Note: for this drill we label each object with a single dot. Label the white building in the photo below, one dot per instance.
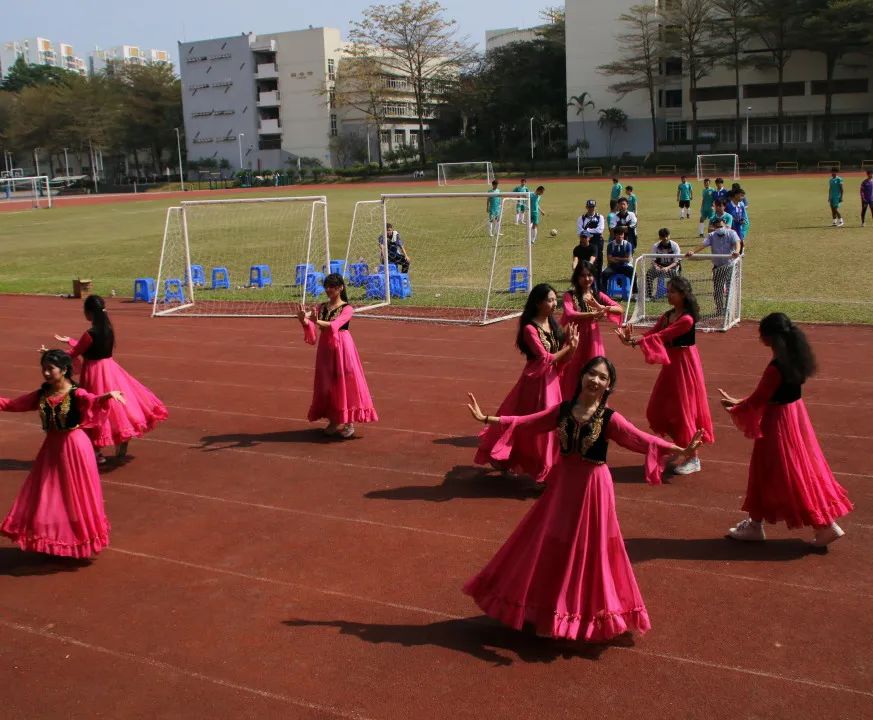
(505, 36)
(128, 54)
(593, 36)
(40, 51)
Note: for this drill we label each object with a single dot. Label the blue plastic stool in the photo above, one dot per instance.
(259, 276)
(220, 278)
(338, 266)
(173, 291)
(358, 274)
(518, 279)
(662, 288)
(301, 271)
(619, 286)
(400, 285)
(375, 287)
(144, 289)
(315, 284)
(198, 277)
(392, 269)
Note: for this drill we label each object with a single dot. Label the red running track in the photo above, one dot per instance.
(258, 570)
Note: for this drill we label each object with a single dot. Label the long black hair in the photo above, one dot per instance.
(583, 266)
(791, 349)
(336, 280)
(610, 369)
(531, 310)
(689, 302)
(102, 331)
(60, 360)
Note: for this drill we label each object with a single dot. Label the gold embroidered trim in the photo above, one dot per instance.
(547, 339)
(328, 315)
(579, 303)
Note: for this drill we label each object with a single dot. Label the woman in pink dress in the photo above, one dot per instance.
(340, 394)
(584, 307)
(678, 406)
(542, 342)
(564, 570)
(789, 478)
(59, 509)
(100, 372)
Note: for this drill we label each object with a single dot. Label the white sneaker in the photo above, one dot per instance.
(834, 223)
(841, 223)
(348, 431)
(688, 467)
(826, 535)
(748, 530)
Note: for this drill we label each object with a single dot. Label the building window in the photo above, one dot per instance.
(676, 131)
(333, 127)
(841, 126)
(767, 133)
(400, 137)
(725, 132)
(673, 66)
(767, 90)
(331, 69)
(672, 98)
(718, 92)
(332, 97)
(852, 85)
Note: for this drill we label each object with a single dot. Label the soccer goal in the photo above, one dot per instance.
(459, 171)
(726, 165)
(718, 289)
(242, 258)
(35, 188)
(457, 273)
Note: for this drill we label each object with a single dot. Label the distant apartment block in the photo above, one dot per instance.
(40, 51)
(128, 54)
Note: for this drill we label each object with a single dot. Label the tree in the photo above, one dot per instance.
(413, 39)
(613, 119)
(836, 28)
(362, 85)
(580, 102)
(349, 148)
(638, 58)
(729, 44)
(687, 36)
(22, 75)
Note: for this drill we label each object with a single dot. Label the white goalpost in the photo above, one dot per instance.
(458, 171)
(35, 188)
(457, 272)
(718, 289)
(243, 258)
(726, 165)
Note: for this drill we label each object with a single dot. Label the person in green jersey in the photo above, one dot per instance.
(706, 199)
(492, 205)
(720, 213)
(615, 194)
(631, 199)
(835, 197)
(520, 207)
(535, 212)
(684, 195)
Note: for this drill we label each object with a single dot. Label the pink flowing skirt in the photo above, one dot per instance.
(789, 478)
(678, 406)
(59, 509)
(123, 422)
(565, 569)
(340, 391)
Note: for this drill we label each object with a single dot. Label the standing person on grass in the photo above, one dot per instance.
(340, 391)
(866, 197)
(684, 196)
(835, 197)
(789, 478)
(632, 199)
(547, 348)
(520, 206)
(707, 197)
(564, 572)
(535, 212)
(678, 407)
(721, 241)
(614, 193)
(492, 207)
(142, 411)
(584, 307)
(59, 509)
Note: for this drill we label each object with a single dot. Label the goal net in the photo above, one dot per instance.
(458, 270)
(718, 289)
(460, 171)
(242, 258)
(35, 188)
(726, 166)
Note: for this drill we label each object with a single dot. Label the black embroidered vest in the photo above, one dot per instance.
(787, 392)
(548, 339)
(63, 416)
(330, 315)
(589, 438)
(686, 339)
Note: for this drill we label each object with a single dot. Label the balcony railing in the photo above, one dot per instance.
(263, 45)
(270, 127)
(267, 71)
(268, 99)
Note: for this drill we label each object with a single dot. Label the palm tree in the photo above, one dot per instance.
(581, 102)
(613, 119)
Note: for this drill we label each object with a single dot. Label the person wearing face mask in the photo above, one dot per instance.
(722, 241)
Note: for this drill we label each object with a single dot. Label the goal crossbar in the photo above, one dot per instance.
(39, 185)
(709, 163)
(487, 170)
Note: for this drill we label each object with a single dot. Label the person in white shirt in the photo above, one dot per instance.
(666, 265)
(721, 241)
(626, 219)
(592, 225)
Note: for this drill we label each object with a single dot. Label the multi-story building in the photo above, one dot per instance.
(505, 36)
(128, 54)
(40, 51)
(593, 39)
(263, 101)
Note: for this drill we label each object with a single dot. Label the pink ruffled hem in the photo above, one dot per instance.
(500, 454)
(106, 436)
(811, 518)
(603, 626)
(349, 415)
(48, 546)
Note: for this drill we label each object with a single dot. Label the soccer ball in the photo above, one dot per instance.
(553, 233)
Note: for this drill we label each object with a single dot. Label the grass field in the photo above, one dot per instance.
(795, 261)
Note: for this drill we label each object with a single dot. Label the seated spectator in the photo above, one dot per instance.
(585, 250)
(667, 264)
(624, 218)
(397, 254)
(619, 257)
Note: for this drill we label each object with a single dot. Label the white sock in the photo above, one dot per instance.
(490, 228)
(700, 228)
(533, 234)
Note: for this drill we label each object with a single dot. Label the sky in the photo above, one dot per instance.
(160, 24)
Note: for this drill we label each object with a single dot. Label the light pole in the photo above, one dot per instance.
(239, 143)
(36, 159)
(531, 139)
(179, 148)
(748, 110)
(67, 163)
